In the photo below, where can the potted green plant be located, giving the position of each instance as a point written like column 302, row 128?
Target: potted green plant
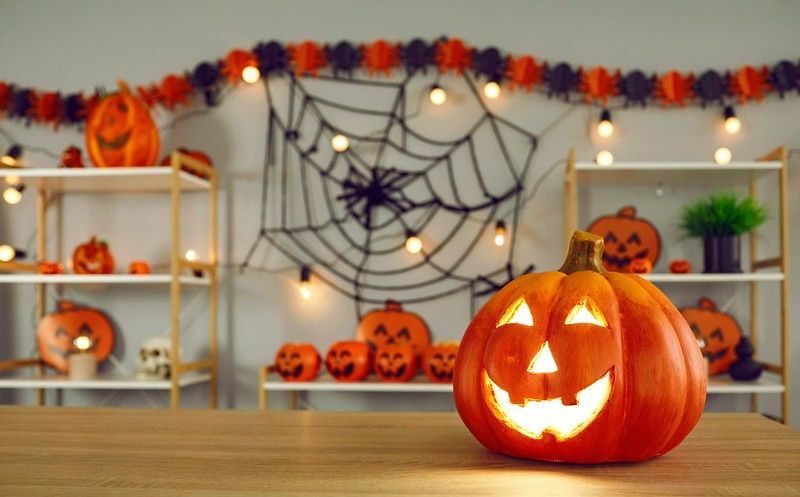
column 720, row 221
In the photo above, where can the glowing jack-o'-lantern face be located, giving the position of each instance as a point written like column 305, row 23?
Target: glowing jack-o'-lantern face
column 580, row 365
column 297, row 362
column 349, row 361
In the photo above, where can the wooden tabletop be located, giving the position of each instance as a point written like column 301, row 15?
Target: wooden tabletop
column 93, row 452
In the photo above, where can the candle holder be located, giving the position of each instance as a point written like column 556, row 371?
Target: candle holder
column 82, row 361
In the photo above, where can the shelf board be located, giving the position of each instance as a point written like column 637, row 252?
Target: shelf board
column 711, row 277
column 102, row 382
column 767, row 383
column 101, row 279
column 326, row 383
column 698, row 172
column 105, row 180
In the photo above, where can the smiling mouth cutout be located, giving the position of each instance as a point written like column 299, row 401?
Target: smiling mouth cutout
column 116, row 143
column 534, row 417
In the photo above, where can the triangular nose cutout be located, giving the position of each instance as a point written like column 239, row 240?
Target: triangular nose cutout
column 543, row 361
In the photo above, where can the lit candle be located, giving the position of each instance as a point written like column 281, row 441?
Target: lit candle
column 82, row 362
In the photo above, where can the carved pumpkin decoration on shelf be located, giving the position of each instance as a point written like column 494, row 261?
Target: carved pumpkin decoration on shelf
column 580, row 365
column 626, row 238
column 640, row 265
column 297, row 362
column 56, row 331
column 71, row 157
column 680, row 266
column 718, row 332
column 50, row 267
column 439, row 361
column 120, row 131
column 396, row 363
column 194, row 154
column 393, row 326
column 139, row 267
column 93, row 257
column 349, row 361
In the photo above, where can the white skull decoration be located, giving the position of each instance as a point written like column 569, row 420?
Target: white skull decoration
column 153, row 362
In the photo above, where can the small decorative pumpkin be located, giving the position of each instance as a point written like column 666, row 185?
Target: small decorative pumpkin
column 56, row 332
column 120, row 131
column 50, row 267
column 393, row 326
column 71, row 157
column 349, row 361
column 396, row 363
column 297, row 362
column 139, row 267
column 194, row 154
column 680, row 266
column 718, row 332
column 439, row 361
column 580, row 365
column 93, row 257
column 640, row 265
column 626, row 237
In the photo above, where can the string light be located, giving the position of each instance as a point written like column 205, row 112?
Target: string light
column 82, row 343
column 12, row 180
column 437, row 95
column 340, row 143
column 251, row 74
column 9, row 253
column 604, row 158
column 190, row 255
column 12, row 157
column 605, row 127
column 305, row 283
column 491, row 89
column 500, row 233
column 13, row 194
column 722, row 156
column 413, row 243
column 732, row 123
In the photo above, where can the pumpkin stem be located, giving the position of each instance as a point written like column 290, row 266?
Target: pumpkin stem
column 585, row 254
column 393, row 305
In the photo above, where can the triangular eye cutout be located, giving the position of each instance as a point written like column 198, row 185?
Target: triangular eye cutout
column 517, row 313
column 586, row 312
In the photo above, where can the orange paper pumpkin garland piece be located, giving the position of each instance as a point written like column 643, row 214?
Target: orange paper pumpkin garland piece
column 93, row 257
column 120, row 131
column 580, row 365
column 393, row 326
column 297, row 362
column 439, row 361
column 56, row 331
column 349, row 361
column 626, row 238
column 396, row 363
column 717, row 332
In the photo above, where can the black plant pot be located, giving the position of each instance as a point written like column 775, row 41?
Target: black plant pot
column 722, row 254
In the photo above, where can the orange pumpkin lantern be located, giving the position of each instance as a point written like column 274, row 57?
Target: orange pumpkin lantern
column 93, row 257
column 717, row 332
column 349, row 361
column 139, row 267
column 627, row 237
column 393, row 326
column 580, row 365
column 640, row 265
column 50, row 267
column 439, row 361
column 680, row 266
column 120, row 131
column 56, row 332
column 297, row 362
column 71, row 157
column 395, row 363
column 194, row 154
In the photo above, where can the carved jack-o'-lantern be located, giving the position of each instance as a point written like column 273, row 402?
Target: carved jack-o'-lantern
column 120, row 131
column 56, row 332
column 717, row 332
column 93, row 257
column 297, row 362
column 627, row 237
column 580, row 365
column 393, row 326
column 439, row 361
column 680, row 266
column 349, row 361
column 396, row 362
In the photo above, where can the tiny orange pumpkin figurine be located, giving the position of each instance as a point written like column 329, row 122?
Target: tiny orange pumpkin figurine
column 50, row 267
column 120, row 131
column 640, row 265
column 297, row 362
column 393, row 326
column 626, row 237
column 680, row 266
column 396, row 363
column 71, row 157
column 93, row 257
column 439, row 361
column 194, row 154
column 717, row 332
column 56, row 332
column 349, row 361
column 139, row 267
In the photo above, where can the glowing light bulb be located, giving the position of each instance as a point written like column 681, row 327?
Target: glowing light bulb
column 251, row 74
column 340, row 143
column 437, row 95
column 413, row 244
column 605, row 127
column 12, row 195
column 7, row 253
column 722, row 156
column 732, row 123
column 190, row 255
column 500, row 233
column 82, row 343
column 604, row 158
column 12, row 180
column 305, row 283
column 491, row 90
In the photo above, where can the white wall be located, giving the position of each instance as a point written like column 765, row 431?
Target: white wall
column 77, row 45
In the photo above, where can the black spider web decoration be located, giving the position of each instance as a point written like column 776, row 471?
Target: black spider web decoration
column 346, row 215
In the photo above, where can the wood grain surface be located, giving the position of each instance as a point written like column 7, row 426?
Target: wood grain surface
column 122, row 452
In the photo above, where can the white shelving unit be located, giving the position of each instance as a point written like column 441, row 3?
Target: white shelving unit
column 102, row 382
column 102, row 279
